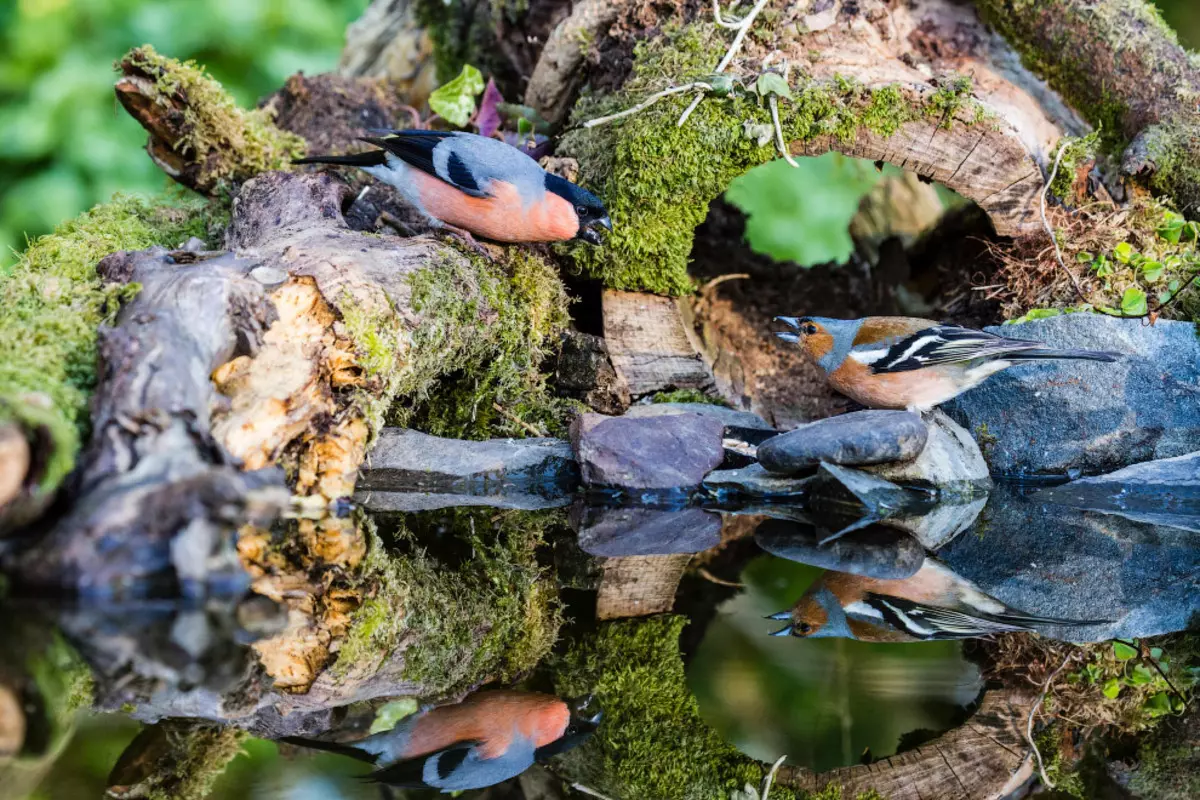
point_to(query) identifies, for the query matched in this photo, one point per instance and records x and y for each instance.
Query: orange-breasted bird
(487, 738)
(934, 604)
(479, 185)
(905, 362)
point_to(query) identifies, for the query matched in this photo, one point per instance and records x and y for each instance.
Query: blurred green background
(64, 142)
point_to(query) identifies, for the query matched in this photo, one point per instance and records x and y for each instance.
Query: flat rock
(412, 501)
(855, 439)
(950, 461)
(1080, 417)
(874, 551)
(510, 473)
(639, 531)
(662, 452)
(730, 417)
(754, 482)
(1163, 492)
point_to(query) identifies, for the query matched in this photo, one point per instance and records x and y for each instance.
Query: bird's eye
(580, 210)
(804, 628)
(810, 329)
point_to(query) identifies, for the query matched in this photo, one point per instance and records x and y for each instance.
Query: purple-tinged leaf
(488, 118)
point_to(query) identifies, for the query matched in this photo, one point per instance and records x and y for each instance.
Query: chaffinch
(479, 185)
(487, 738)
(933, 604)
(905, 362)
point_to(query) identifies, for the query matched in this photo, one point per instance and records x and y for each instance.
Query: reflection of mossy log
(174, 760)
(653, 742)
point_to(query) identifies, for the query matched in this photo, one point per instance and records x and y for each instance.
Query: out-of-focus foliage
(1184, 17)
(65, 143)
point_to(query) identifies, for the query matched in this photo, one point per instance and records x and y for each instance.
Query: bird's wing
(352, 750)
(935, 622)
(946, 344)
(410, 773)
(416, 148)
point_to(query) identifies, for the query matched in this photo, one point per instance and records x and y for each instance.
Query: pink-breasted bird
(479, 185)
(487, 738)
(905, 362)
(934, 604)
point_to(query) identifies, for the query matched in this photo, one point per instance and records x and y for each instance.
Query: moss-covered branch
(1120, 65)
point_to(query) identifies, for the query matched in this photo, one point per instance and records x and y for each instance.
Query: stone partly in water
(412, 471)
(873, 552)
(754, 483)
(1069, 417)
(950, 461)
(664, 452)
(640, 531)
(1053, 561)
(1163, 492)
(855, 439)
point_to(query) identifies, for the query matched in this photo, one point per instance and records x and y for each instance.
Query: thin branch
(708, 576)
(783, 151)
(733, 25)
(649, 101)
(728, 276)
(579, 787)
(1054, 239)
(743, 26)
(771, 776)
(511, 417)
(1033, 712)
(687, 112)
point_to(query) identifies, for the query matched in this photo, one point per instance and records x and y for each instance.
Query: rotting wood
(638, 586)
(14, 463)
(387, 41)
(556, 76)
(650, 346)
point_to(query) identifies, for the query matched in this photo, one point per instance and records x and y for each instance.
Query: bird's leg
(465, 235)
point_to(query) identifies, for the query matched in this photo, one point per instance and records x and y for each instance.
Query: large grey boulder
(858, 438)
(412, 471)
(1072, 417)
(663, 452)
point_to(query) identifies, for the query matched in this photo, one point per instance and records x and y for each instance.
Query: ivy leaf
(455, 101)
(1141, 676)
(772, 83)
(1084, 257)
(1172, 227)
(1112, 688)
(488, 118)
(790, 221)
(390, 714)
(1123, 252)
(1133, 302)
(1124, 651)
(1156, 653)
(1158, 705)
(1152, 270)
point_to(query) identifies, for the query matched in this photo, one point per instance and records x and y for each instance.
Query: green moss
(51, 303)
(178, 759)
(496, 323)
(952, 96)
(492, 617)
(462, 33)
(1169, 762)
(658, 178)
(1076, 151)
(687, 396)
(63, 679)
(229, 144)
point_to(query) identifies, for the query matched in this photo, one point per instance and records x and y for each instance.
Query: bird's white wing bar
(946, 344)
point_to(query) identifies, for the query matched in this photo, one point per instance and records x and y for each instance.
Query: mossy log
(1120, 65)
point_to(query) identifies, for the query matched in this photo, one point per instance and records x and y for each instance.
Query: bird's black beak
(784, 631)
(585, 718)
(789, 336)
(590, 232)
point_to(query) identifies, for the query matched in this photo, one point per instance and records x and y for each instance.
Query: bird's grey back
(477, 773)
(491, 159)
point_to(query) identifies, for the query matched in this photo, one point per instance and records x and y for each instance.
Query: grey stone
(412, 471)
(649, 452)
(858, 438)
(874, 551)
(1068, 417)
(754, 482)
(1054, 561)
(640, 531)
(729, 417)
(1163, 492)
(950, 461)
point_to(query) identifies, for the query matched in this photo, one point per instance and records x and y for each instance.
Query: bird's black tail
(373, 158)
(330, 747)
(1050, 353)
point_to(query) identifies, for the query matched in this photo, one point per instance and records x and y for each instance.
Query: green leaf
(1123, 252)
(1112, 688)
(1141, 676)
(1173, 285)
(455, 101)
(390, 714)
(1158, 705)
(1156, 653)
(1172, 227)
(1152, 270)
(1083, 257)
(789, 221)
(1124, 651)
(772, 83)
(1133, 302)
(1101, 265)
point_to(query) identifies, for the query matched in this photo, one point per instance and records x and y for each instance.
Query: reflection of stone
(754, 482)
(1163, 492)
(1054, 561)
(641, 531)
(412, 471)
(1057, 416)
(874, 551)
(665, 452)
(862, 437)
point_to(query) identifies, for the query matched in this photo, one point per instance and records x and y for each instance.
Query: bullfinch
(933, 604)
(905, 362)
(479, 185)
(488, 738)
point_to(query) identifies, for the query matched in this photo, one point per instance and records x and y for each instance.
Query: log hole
(919, 250)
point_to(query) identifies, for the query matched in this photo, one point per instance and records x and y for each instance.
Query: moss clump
(227, 143)
(1169, 761)
(177, 759)
(1077, 153)
(952, 96)
(658, 178)
(687, 396)
(496, 323)
(492, 617)
(51, 304)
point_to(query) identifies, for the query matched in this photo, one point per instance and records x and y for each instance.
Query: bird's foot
(471, 241)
